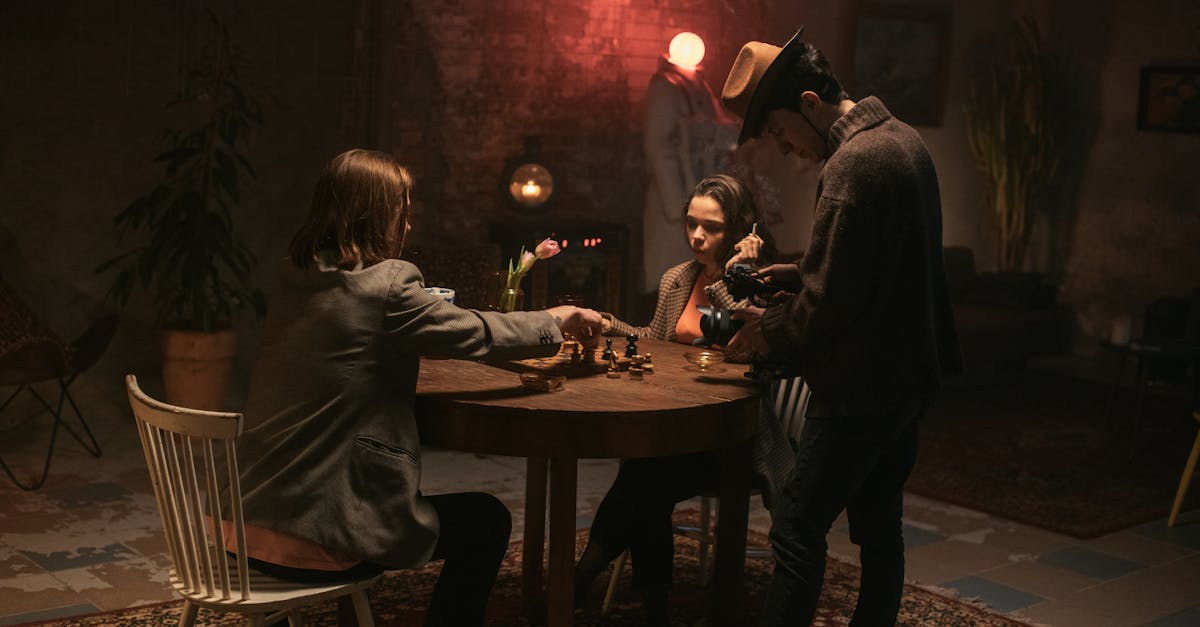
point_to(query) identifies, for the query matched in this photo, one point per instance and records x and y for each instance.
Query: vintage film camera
(717, 325)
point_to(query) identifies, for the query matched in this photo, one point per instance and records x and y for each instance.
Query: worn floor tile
(942, 518)
(1089, 563)
(1035, 578)
(1139, 548)
(915, 536)
(79, 557)
(74, 497)
(939, 562)
(997, 596)
(119, 584)
(13, 564)
(1135, 599)
(48, 614)
(33, 592)
(1183, 534)
(1187, 618)
(1022, 540)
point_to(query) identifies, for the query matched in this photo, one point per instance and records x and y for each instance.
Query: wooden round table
(483, 408)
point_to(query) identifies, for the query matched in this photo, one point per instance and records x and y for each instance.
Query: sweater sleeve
(837, 275)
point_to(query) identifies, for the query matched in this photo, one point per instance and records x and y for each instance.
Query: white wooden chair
(192, 457)
(791, 401)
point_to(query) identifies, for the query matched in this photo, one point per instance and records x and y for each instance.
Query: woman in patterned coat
(719, 224)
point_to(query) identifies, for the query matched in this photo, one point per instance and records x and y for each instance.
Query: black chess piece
(631, 349)
(608, 351)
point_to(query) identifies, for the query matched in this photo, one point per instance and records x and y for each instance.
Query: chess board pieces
(636, 367)
(631, 348)
(649, 365)
(613, 371)
(608, 349)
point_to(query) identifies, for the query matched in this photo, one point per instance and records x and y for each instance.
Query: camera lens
(717, 325)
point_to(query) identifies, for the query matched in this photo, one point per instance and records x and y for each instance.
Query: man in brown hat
(867, 322)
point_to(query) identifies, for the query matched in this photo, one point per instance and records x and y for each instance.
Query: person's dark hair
(359, 211)
(739, 211)
(808, 70)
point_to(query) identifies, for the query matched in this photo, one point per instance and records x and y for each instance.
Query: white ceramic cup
(444, 293)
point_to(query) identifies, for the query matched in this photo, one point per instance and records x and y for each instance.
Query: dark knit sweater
(871, 329)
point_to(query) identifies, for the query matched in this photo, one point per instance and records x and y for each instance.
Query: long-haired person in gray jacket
(331, 457)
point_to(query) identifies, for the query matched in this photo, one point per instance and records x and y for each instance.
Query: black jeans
(858, 464)
(636, 513)
(472, 540)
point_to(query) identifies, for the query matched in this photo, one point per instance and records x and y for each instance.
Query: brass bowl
(704, 359)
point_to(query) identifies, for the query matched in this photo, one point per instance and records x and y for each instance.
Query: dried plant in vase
(1011, 113)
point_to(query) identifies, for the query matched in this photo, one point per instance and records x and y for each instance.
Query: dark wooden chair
(31, 353)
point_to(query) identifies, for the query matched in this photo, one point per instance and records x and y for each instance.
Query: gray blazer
(331, 452)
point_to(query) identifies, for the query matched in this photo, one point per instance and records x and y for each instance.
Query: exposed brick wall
(476, 78)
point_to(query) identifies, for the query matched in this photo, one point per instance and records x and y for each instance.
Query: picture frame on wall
(901, 55)
(1169, 99)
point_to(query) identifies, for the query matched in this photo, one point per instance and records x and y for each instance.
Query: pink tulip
(547, 249)
(527, 259)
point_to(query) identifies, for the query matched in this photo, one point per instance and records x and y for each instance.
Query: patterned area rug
(400, 598)
(1040, 451)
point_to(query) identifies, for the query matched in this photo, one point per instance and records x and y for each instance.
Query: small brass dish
(704, 359)
(542, 382)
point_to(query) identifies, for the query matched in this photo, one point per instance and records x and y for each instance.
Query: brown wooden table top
(483, 408)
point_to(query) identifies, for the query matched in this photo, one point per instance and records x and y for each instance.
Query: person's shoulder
(674, 274)
(388, 275)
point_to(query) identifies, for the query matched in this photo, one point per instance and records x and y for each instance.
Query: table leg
(730, 562)
(535, 534)
(1142, 367)
(1116, 385)
(560, 608)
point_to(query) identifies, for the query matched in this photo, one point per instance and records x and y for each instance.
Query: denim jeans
(859, 464)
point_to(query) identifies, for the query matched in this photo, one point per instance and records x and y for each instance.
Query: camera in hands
(716, 324)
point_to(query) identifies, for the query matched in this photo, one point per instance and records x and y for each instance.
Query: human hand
(585, 325)
(782, 276)
(746, 251)
(749, 342)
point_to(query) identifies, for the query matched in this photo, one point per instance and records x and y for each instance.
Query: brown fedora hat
(751, 80)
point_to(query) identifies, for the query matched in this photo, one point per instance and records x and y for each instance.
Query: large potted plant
(1012, 118)
(190, 262)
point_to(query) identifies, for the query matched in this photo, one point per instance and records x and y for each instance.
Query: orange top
(688, 328)
(268, 545)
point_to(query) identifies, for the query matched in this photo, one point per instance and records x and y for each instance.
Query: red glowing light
(686, 50)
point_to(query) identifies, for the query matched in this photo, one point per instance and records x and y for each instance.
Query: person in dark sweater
(868, 323)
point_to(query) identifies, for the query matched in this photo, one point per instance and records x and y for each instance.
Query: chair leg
(706, 533)
(617, 567)
(256, 620)
(64, 395)
(188, 617)
(94, 449)
(295, 618)
(37, 483)
(362, 608)
(1188, 469)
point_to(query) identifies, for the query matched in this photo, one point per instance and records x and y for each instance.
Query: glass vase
(511, 299)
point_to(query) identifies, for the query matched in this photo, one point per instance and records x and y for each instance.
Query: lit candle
(531, 190)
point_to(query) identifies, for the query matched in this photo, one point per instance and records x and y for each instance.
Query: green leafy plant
(1011, 111)
(191, 263)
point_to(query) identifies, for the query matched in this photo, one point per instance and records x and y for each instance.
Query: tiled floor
(90, 541)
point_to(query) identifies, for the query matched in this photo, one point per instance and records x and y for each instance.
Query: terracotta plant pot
(196, 367)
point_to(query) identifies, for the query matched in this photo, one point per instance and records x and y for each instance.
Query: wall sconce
(527, 181)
